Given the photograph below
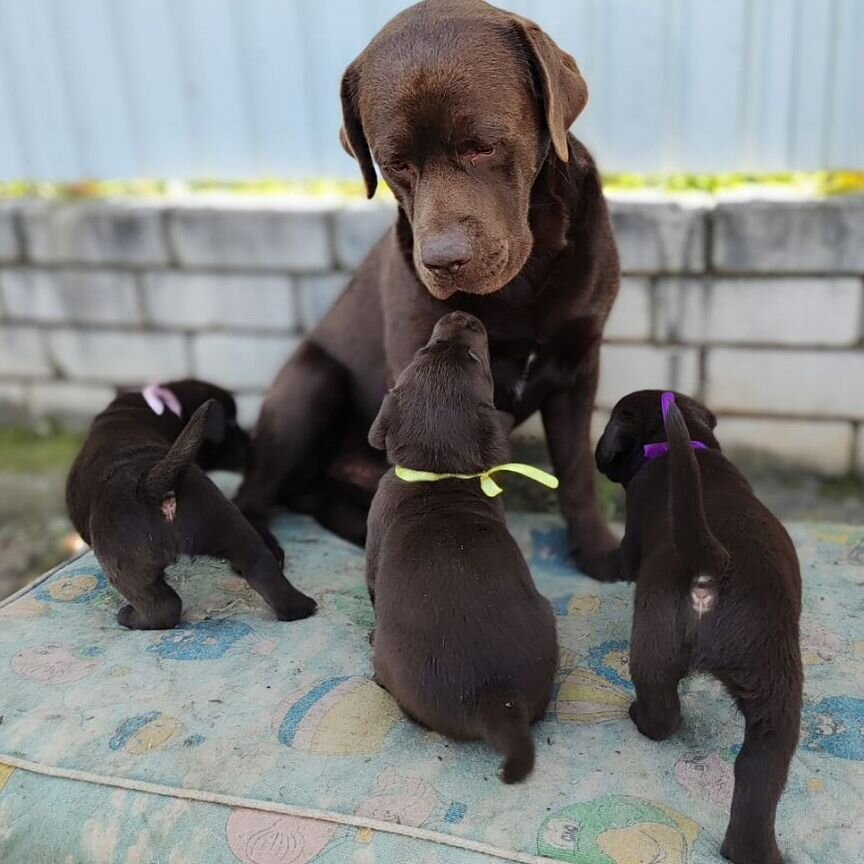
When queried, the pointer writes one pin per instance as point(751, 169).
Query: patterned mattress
point(237, 738)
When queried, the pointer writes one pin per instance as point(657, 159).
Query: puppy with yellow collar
point(463, 640)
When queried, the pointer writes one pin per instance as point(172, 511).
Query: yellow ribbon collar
point(487, 483)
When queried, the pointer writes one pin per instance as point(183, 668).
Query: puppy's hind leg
point(153, 604)
point(220, 529)
point(658, 662)
point(770, 738)
point(267, 578)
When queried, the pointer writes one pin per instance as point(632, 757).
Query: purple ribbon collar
point(661, 448)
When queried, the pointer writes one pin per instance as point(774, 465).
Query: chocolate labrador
point(463, 641)
point(137, 493)
point(718, 590)
point(466, 109)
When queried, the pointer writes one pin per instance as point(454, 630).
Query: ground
point(35, 533)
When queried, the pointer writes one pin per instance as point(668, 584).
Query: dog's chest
point(521, 375)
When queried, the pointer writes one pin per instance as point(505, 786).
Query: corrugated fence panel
point(159, 112)
point(249, 88)
point(846, 128)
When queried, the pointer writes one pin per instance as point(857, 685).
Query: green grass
point(24, 451)
point(842, 488)
point(814, 183)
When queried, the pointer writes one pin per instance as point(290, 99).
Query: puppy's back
point(457, 611)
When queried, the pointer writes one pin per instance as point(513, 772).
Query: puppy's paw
point(165, 619)
point(743, 852)
point(298, 607)
point(655, 728)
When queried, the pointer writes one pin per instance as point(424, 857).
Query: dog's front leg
point(567, 421)
point(298, 430)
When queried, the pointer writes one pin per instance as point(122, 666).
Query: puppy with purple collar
point(138, 495)
point(718, 590)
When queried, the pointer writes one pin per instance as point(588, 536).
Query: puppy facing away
point(138, 495)
point(463, 641)
point(718, 590)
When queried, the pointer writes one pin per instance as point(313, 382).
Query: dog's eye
point(476, 152)
point(398, 167)
point(474, 356)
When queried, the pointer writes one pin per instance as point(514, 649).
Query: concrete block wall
point(757, 307)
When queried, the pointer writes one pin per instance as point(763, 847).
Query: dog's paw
point(593, 549)
point(126, 617)
point(605, 567)
point(298, 607)
point(657, 729)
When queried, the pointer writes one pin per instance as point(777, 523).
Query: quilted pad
point(237, 738)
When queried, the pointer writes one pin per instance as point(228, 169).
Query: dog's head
point(637, 420)
point(461, 104)
point(226, 446)
point(440, 415)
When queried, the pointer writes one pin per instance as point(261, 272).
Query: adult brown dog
point(718, 590)
point(466, 109)
point(463, 640)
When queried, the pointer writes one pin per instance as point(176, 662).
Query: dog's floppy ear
point(565, 92)
point(381, 425)
point(351, 134)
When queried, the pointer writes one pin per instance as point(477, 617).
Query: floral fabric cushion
point(236, 738)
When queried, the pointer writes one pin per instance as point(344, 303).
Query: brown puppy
point(718, 590)
point(465, 108)
point(463, 641)
point(137, 496)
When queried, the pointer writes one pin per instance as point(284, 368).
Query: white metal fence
point(249, 88)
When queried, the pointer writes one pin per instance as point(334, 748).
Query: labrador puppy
point(718, 590)
point(465, 108)
point(138, 495)
point(463, 641)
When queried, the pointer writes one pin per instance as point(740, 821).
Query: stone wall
point(756, 307)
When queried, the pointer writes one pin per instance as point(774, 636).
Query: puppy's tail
point(700, 551)
point(505, 726)
point(161, 480)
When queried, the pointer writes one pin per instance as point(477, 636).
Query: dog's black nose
point(446, 252)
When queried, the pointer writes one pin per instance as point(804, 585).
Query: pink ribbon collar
point(159, 398)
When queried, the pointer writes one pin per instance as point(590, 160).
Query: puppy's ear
point(615, 442)
point(351, 134)
point(506, 421)
point(493, 434)
point(381, 426)
point(214, 430)
point(565, 92)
